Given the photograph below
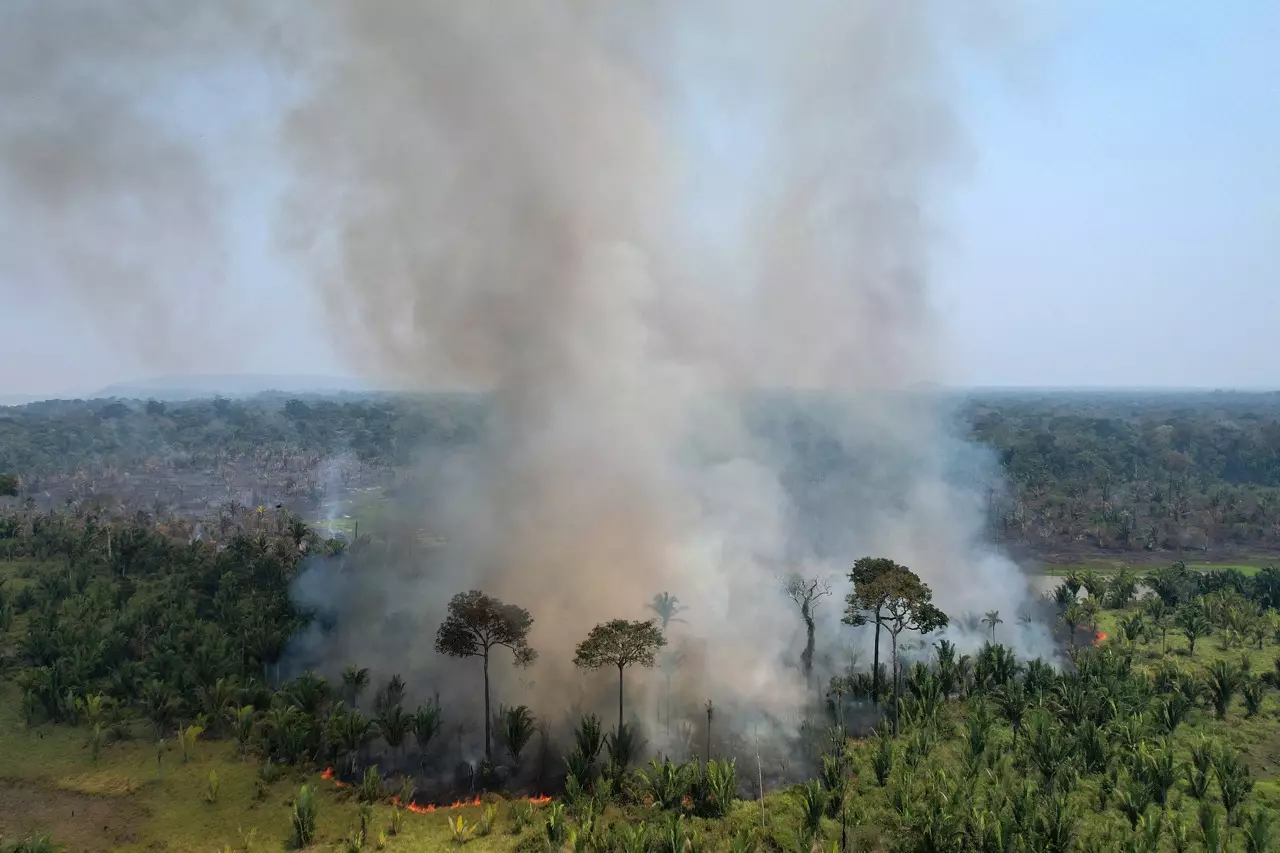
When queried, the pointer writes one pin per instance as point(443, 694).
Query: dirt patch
point(79, 821)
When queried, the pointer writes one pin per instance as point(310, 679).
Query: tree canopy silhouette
point(620, 643)
point(474, 625)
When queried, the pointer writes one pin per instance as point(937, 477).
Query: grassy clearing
point(125, 802)
point(1248, 568)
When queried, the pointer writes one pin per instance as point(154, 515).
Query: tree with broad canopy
point(620, 643)
point(474, 625)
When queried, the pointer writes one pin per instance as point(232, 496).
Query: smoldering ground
point(627, 225)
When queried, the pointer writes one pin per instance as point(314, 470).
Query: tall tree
point(865, 605)
point(475, 624)
point(905, 604)
point(620, 643)
point(806, 593)
point(992, 619)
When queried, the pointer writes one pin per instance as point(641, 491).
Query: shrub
point(667, 782)
point(461, 831)
point(1255, 689)
point(554, 826)
point(714, 787)
point(882, 758)
point(305, 810)
point(811, 801)
point(622, 747)
point(370, 790)
point(485, 825)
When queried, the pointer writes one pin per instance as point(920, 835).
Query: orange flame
point(459, 804)
point(327, 774)
point(1100, 638)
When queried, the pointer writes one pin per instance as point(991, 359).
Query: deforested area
point(637, 427)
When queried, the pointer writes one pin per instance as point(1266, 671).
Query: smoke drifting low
point(684, 250)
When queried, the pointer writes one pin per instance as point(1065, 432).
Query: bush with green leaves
point(714, 788)
point(306, 809)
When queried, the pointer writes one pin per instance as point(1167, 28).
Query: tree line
point(1171, 472)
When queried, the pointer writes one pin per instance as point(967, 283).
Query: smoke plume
point(682, 247)
point(531, 200)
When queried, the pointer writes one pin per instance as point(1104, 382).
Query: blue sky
point(1119, 223)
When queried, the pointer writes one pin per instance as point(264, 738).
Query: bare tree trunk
point(488, 749)
point(893, 638)
point(875, 660)
point(806, 657)
point(619, 701)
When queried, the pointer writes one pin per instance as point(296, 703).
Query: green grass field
point(1248, 567)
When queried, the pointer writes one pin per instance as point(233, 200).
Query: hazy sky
point(1119, 223)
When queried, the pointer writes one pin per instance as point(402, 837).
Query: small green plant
point(630, 839)
point(485, 825)
point(306, 808)
point(1201, 766)
point(714, 788)
point(882, 758)
point(519, 815)
point(622, 747)
point(674, 835)
point(211, 787)
point(381, 843)
point(187, 741)
point(1254, 691)
point(1179, 834)
point(242, 726)
point(397, 818)
point(353, 843)
point(370, 790)
point(1234, 780)
point(461, 830)
point(365, 814)
point(1222, 683)
point(555, 826)
point(1256, 829)
point(1211, 834)
point(667, 782)
point(811, 802)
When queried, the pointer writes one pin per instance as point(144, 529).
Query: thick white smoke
point(683, 246)
point(526, 199)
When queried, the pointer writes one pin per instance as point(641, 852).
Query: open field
point(1248, 567)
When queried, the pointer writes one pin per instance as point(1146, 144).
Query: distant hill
point(172, 388)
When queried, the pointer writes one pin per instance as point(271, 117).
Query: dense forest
point(1154, 732)
point(1074, 472)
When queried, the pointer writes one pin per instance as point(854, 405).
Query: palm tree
point(354, 682)
point(993, 619)
point(1160, 616)
point(1222, 682)
point(1194, 623)
point(352, 733)
point(426, 723)
point(666, 606)
point(1072, 616)
point(394, 725)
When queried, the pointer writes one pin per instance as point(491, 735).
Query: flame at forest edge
point(431, 807)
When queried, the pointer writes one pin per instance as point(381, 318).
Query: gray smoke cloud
point(515, 198)
point(633, 226)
